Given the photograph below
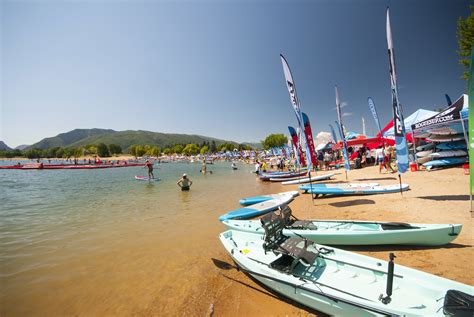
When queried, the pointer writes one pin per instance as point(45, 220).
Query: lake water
point(98, 242)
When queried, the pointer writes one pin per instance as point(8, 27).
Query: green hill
point(82, 137)
point(68, 138)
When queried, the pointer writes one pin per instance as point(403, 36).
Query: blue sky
point(213, 67)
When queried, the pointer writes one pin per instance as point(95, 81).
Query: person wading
point(185, 183)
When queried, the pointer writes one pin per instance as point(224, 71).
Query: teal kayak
point(342, 283)
point(352, 232)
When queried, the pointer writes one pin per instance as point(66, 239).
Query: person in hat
point(185, 183)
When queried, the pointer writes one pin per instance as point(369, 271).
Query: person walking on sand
point(185, 183)
point(149, 165)
point(388, 157)
point(379, 156)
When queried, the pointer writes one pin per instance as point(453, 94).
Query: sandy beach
point(435, 197)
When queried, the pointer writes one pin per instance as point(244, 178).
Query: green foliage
point(226, 147)
point(10, 153)
point(204, 150)
point(115, 149)
point(154, 151)
point(167, 151)
point(191, 149)
point(102, 150)
point(33, 154)
point(465, 35)
point(274, 140)
point(178, 149)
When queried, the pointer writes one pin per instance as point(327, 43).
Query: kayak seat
point(294, 223)
point(275, 241)
point(397, 226)
point(459, 304)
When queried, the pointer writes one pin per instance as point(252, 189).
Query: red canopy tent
point(371, 143)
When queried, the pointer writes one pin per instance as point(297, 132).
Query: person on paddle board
point(149, 165)
point(185, 183)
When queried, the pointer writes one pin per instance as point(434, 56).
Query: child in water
point(185, 183)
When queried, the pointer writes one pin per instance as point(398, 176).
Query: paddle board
point(424, 153)
point(456, 129)
point(337, 185)
point(445, 138)
point(425, 159)
point(445, 162)
point(453, 153)
point(146, 178)
point(258, 199)
point(257, 209)
point(425, 147)
point(460, 145)
point(379, 189)
point(304, 180)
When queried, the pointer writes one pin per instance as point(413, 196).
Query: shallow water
point(99, 242)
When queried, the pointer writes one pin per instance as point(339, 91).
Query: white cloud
point(323, 137)
point(347, 114)
point(344, 104)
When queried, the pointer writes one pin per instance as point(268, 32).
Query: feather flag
point(294, 138)
point(309, 137)
point(334, 137)
point(374, 114)
point(398, 123)
point(347, 165)
point(290, 84)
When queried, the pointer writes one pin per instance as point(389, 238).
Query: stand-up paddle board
point(445, 138)
point(460, 145)
point(424, 153)
point(146, 178)
point(303, 180)
point(257, 209)
point(379, 189)
point(453, 153)
point(425, 147)
point(258, 199)
point(449, 161)
point(305, 188)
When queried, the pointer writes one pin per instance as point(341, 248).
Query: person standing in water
point(150, 169)
point(185, 183)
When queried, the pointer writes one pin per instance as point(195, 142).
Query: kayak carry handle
point(386, 300)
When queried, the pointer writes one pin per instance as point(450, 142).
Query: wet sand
point(435, 197)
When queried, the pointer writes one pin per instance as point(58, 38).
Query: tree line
point(137, 150)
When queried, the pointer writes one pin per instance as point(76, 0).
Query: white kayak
point(354, 232)
point(258, 199)
point(342, 283)
point(303, 180)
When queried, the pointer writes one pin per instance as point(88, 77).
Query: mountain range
point(82, 137)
